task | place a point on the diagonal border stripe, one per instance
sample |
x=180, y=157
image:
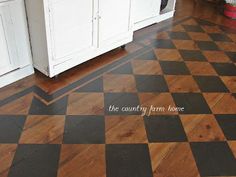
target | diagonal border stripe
x=50, y=98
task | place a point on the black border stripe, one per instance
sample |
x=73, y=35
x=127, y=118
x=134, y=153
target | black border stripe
x=50, y=97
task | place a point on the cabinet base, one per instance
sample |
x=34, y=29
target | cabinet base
x=153, y=20
x=77, y=59
x=16, y=75
x=145, y=23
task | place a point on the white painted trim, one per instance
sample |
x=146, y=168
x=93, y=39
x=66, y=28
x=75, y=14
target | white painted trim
x=151, y=21
x=145, y=23
x=16, y=75
x=57, y=69
x=41, y=69
x=165, y=14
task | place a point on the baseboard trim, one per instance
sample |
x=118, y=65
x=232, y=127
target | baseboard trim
x=16, y=75
x=153, y=20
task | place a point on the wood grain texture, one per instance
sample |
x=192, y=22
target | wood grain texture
x=221, y=103
x=199, y=36
x=18, y=107
x=145, y=67
x=212, y=29
x=227, y=46
x=82, y=161
x=43, y=130
x=125, y=130
x=190, y=22
x=85, y=104
x=202, y=128
x=157, y=100
x=168, y=55
x=162, y=35
x=177, y=28
x=232, y=37
x=7, y=152
x=17, y=86
x=165, y=155
x=200, y=68
x=119, y=83
x=185, y=44
x=216, y=56
x=181, y=84
x=184, y=8
x=230, y=82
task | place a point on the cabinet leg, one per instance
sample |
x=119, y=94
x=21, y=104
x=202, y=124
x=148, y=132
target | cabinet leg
x=123, y=46
x=56, y=76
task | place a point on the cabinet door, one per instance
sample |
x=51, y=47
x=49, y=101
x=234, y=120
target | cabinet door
x=72, y=27
x=8, y=56
x=114, y=20
x=145, y=9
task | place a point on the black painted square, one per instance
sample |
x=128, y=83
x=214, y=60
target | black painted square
x=164, y=43
x=94, y=86
x=225, y=69
x=227, y=29
x=84, y=130
x=227, y=123
x=124, y=69
x=204, y=22
x=207, y=45
x=220, y=37
x=128, y=160
x=35, y=161
x=147, y=56
x=232, y=56
x=174, y=68
x=121, y=100
x=193, y=103
x=234, y=94
x=56, y=108
x=193, y=28
x=214, y=159
x=151, y=83
x=164, y=129
x=11, y=127
x=179, y=35
x=192, y=55
x=210, y=84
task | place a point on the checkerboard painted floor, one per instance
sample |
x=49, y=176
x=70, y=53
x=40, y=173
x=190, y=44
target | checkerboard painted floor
x=72, y=132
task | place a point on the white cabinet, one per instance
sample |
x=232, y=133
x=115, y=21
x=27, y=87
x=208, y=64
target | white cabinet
x=65, y=33
x=148, y=12
x=7, y=43
x=15, y=57
x=146, y=9
x=114, y=21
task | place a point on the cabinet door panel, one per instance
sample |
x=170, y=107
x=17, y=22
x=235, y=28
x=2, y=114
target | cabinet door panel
x=114, y=19
x=72, y=26
x=7, y=54
x=145, y=9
